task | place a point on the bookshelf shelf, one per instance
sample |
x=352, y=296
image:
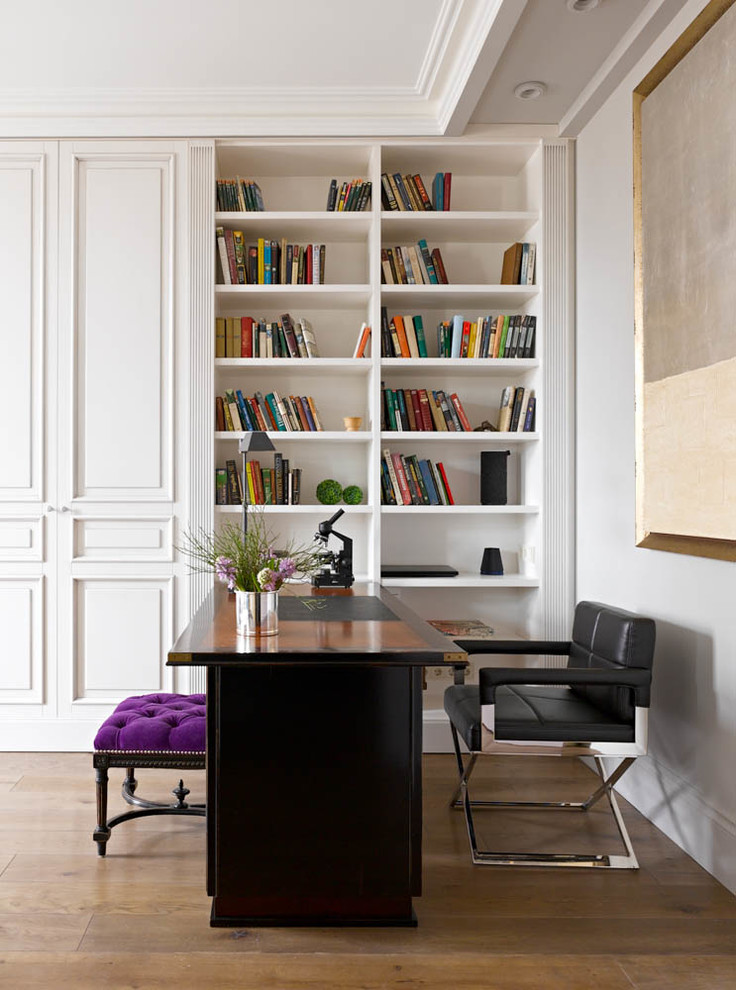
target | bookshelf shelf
x=462, y=510
x=298, y=510
x=476, y=437
x=319, y=437
x=468, y=580
x=286, y=296
x=299, y=226
x=354, y=366
x=462, y=297
x=464, y=366
x=469, y=227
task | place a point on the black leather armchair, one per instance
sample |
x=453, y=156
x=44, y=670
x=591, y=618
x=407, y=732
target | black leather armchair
x=595, y=707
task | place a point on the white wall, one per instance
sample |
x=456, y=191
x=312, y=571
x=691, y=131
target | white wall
x=687, y=785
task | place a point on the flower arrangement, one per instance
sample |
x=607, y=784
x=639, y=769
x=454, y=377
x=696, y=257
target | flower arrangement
x=249, y=561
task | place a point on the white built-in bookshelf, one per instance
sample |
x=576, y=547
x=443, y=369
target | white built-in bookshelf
x=502, y=192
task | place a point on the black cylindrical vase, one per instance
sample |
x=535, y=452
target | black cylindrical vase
x=493, y=476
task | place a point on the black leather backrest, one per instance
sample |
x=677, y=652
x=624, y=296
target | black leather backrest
x=610, y=637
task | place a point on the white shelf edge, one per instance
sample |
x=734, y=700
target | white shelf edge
x=297, y=509
x=359, y=365
x=356, y=217
x=334, y=436
x=472, y=216
x=473, y=289
x=463, y=510
x=491, y=365
x=464, y=581
x=323, y=288
x=480, y=436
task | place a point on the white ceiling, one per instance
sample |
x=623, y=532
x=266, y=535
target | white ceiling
x=334, y=67
x=558, y=47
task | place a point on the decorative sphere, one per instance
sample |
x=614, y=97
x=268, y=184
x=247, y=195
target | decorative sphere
x=329, y=492
x=353, y=495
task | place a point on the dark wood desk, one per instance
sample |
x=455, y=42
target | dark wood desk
x=314, y=743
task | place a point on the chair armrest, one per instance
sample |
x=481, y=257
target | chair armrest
x=533, y=647
x=636, y=678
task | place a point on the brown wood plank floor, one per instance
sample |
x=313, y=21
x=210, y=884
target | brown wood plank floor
x=139, y=918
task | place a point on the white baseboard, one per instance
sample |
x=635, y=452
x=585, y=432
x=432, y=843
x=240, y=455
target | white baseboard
x=48, y=735
x=672, y=804
x=437, y=738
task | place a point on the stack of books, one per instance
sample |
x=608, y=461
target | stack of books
x=412, y=264
x=516, y=414
x=352, y=197
x=502, y=336
x=244, y=336
x=278, y=485
x=267, y=262
x=239, y=196
x=423, y=410
x=235, y=412
x=407, y=480
x=518, y=264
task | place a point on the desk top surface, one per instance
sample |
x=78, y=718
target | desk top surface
x=366, y=624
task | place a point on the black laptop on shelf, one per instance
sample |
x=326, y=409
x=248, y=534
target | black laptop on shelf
x=417, y=570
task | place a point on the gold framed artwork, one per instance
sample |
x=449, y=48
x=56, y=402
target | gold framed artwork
x=685, y=291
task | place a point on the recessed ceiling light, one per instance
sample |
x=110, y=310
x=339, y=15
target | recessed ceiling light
x=530, y=90
x=582, y=6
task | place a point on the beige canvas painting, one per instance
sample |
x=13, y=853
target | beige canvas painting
x=685, y=197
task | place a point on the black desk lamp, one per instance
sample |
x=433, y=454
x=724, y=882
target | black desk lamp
x=249, y=443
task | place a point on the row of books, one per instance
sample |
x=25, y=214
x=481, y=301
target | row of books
x=279, y=485
x=239, y=195
x=501, y=336
x=518, y=264
x=353, y=196
x=268, y=262
x=518, y=406
x=235, y=412
x=402, y=336
x=407, y=480
x=423, y=410
x=244, y=336
x=412, y=264
x=408, y=192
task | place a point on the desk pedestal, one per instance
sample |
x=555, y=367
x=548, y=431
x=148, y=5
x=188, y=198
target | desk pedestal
x=314, y=794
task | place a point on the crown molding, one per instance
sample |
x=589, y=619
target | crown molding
x=464, y=32
x=487, y=37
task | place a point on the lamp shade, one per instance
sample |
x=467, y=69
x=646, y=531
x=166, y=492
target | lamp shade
x=255, y=441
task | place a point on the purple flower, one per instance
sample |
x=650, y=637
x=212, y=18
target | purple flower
x=269, y=580
x=287, y=567
x=225, y=571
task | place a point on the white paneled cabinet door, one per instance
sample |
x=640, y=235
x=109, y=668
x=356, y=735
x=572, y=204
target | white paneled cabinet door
x=121, y=237
x=28, y=174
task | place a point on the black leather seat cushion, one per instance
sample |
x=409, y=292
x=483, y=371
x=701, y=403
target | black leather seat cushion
x=532, y=712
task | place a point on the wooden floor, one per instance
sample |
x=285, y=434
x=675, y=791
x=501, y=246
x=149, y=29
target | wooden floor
x=139, y=917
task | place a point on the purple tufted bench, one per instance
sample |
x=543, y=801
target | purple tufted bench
x=165, y=731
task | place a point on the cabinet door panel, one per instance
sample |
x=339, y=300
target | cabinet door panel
x=121, y=307
x=21, y=618
x=22, y=300
x=123, y=628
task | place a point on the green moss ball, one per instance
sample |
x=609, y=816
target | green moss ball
x=329, y=491
x=352, y=495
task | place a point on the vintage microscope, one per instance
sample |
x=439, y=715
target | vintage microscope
x=337, y=567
